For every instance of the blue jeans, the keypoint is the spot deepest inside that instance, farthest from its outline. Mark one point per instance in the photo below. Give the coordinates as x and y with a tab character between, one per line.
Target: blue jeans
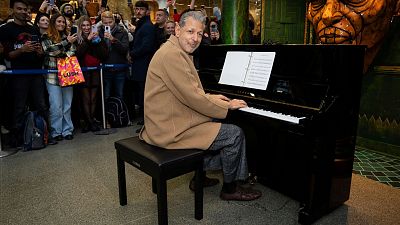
60	99
114	80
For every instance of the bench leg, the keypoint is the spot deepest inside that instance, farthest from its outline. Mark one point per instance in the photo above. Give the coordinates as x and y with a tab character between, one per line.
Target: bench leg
121	180
162	202
198	193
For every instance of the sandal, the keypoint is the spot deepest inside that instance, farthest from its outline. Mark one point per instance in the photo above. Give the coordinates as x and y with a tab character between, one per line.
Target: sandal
241	194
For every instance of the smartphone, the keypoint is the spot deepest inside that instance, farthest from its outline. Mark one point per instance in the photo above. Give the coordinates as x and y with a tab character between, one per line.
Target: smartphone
202	6
74	30
107	29
35	38
94	28
214	28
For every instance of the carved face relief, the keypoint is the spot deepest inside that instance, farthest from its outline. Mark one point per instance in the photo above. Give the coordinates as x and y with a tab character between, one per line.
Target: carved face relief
358	22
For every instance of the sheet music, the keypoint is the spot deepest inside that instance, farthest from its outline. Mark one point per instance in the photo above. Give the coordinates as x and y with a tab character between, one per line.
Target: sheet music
247	69
235	68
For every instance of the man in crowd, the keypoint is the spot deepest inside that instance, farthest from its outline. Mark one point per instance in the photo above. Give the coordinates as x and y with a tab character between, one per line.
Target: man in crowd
161	19
142	50
118	44
68	10
23	50
180	115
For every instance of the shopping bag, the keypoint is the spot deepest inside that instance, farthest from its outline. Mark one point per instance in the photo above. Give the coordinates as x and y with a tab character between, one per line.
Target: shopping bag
69	71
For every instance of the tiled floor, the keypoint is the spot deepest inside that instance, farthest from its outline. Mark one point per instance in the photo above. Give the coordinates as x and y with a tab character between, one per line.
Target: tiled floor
379	167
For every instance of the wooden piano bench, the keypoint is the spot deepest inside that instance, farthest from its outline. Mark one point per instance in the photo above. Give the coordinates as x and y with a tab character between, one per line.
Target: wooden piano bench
162	165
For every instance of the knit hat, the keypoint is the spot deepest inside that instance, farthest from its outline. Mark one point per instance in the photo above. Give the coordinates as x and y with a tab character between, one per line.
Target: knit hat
64	5
142	4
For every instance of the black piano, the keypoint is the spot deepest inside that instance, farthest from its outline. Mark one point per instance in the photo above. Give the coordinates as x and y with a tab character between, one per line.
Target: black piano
301	131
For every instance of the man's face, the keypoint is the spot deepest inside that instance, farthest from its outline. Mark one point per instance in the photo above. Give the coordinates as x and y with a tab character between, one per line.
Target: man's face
190	35
68	11
20	12
362	22
140	12
161	18
107	21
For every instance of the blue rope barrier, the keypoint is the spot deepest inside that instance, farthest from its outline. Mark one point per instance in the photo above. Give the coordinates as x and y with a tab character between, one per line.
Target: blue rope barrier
45	71
115	65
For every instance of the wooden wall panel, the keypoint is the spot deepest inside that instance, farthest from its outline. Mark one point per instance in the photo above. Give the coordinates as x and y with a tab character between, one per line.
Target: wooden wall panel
283	21
4	9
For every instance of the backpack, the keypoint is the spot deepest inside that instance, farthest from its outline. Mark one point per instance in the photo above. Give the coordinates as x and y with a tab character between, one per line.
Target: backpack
35	132
117	112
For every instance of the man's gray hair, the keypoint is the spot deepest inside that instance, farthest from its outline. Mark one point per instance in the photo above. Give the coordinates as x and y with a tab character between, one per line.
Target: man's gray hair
197	15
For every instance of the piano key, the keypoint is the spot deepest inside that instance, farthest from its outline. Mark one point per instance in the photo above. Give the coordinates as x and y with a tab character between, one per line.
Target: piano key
274	115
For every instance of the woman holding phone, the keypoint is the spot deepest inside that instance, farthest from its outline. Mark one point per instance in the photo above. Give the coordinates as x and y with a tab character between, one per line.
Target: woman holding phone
58	44
91	50
211	34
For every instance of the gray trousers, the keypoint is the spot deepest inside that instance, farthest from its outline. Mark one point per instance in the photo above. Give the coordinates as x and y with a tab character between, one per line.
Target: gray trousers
229	155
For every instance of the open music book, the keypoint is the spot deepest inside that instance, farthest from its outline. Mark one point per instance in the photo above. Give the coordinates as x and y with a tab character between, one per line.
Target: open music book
247	69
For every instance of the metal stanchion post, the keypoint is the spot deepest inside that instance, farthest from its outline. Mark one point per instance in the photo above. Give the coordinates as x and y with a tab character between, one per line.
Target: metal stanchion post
103	110
105	130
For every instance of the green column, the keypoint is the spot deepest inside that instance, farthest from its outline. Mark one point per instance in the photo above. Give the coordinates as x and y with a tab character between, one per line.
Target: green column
235	22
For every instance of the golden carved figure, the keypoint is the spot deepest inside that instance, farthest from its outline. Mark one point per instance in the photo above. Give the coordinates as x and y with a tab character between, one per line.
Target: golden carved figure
359	22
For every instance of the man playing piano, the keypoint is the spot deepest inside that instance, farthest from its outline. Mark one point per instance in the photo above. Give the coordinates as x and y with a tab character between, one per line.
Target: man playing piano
178	114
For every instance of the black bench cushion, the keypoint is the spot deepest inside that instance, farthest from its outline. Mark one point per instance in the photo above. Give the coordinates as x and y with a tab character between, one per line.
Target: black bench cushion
161	157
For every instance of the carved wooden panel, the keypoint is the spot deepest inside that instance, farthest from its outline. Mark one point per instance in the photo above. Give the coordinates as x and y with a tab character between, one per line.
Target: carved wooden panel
4	9
283	21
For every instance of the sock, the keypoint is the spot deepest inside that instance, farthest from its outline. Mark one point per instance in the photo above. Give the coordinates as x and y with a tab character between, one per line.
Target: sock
229	187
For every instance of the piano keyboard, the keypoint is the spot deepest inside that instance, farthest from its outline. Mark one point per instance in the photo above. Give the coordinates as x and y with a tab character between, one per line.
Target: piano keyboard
274	115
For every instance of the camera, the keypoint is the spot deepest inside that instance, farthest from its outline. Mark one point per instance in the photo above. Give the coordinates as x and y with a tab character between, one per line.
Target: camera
94	28
107	29
214	28
74	30
35	38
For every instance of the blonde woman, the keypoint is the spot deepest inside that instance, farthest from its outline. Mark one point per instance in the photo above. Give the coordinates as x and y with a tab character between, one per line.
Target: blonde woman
90	50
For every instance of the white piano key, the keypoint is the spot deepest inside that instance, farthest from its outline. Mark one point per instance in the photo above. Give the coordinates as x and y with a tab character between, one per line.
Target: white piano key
274	115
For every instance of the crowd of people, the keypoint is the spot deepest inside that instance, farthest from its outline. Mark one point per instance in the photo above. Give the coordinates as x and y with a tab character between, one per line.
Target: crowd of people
58	32
158	84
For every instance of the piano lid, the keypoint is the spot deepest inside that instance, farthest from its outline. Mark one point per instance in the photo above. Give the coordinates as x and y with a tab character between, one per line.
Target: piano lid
302	75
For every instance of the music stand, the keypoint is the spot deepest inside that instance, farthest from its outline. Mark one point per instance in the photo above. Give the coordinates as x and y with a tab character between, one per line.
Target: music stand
105	130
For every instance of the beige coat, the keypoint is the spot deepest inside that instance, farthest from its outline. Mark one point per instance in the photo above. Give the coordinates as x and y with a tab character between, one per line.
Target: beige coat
177	112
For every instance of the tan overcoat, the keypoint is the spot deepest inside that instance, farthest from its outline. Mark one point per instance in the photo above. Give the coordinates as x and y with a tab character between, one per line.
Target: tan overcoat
177	112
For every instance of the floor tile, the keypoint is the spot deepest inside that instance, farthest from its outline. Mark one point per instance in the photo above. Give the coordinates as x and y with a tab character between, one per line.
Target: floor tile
378	167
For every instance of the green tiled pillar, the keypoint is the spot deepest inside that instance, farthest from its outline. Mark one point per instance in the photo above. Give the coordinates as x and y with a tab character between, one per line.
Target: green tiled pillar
235	22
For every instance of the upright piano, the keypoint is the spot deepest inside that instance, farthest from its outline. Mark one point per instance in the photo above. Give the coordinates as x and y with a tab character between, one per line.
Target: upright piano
300	131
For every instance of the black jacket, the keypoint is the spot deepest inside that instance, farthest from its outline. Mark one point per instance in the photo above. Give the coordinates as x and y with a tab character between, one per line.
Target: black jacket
143	48
118	48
